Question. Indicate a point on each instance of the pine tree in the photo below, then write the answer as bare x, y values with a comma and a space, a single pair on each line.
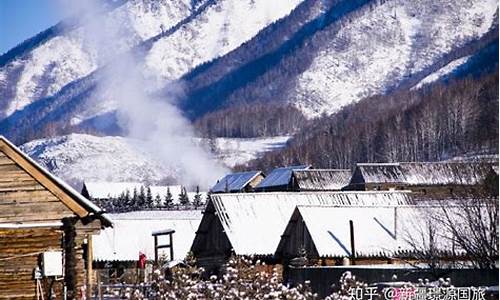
134, 200
183, 197
168, 198
126, 200
157, 201
149, 198
197, 197
141, 199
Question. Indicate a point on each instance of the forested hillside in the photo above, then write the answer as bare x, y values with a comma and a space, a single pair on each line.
252, 120
435, 123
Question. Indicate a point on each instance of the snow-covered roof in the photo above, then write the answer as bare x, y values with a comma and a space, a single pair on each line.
132, 233
378, 231
103, 190
279, 177
322, 179
81, 200
374, 229
235, 182
254, 222
423, 173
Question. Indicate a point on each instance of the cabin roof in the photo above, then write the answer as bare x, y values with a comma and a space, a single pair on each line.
103, 190
254, 222
80, 205
235, 182
378, 231
279, 177
425, 173
322, 179
132, 233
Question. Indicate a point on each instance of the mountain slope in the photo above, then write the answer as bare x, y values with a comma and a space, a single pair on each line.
171, 38
346, 57
64, 53
79, 157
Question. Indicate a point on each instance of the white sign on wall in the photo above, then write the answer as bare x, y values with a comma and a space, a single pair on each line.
52, 263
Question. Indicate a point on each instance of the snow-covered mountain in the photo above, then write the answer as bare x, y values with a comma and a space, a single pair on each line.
174, 35
79, 157
386, 45
347, 51
318, 55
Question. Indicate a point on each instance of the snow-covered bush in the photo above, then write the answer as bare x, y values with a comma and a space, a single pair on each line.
242, 279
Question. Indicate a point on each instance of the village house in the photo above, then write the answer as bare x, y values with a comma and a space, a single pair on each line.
330, 235
251, 224
240, 182
117, 249
428, 178
320, 179
279, 179
46, 230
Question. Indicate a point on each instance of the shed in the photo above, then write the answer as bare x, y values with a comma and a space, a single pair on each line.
280, 179
132, 233
252, 223
378, 235
321, 179
425, 177
238, 182
43, 222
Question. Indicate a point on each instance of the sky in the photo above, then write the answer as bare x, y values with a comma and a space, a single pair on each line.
22, 19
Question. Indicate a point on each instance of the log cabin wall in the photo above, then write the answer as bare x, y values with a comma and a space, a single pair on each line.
20, 251
36, 216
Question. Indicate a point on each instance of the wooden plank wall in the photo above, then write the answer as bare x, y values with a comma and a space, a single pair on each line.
23, 199
20, 251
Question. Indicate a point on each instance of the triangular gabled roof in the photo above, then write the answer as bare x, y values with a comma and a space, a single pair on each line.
279, 177
80, 205
235, 182
253, 222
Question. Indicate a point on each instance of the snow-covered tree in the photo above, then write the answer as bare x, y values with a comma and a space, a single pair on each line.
168, 198
197, 197
183, 197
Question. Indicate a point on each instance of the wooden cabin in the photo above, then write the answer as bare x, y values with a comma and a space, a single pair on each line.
251, 224
46, 231
320, 179
435, 179
240, 182
361, 235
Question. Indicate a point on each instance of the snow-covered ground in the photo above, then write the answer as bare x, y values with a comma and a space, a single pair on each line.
81, 157
449, 68
386, 45
233, 151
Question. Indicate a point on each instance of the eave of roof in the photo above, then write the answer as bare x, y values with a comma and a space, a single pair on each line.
77, 197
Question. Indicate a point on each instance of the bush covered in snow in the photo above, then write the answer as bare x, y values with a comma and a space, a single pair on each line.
242, 279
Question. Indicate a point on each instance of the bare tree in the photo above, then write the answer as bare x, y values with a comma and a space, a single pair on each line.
465, 225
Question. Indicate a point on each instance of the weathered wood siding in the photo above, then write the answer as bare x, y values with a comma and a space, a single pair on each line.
20, 251
296, 237
24, 199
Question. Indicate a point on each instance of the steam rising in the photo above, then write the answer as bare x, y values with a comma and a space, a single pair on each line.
152, 119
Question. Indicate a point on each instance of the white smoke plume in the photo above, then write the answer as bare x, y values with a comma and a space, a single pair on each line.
154, 120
